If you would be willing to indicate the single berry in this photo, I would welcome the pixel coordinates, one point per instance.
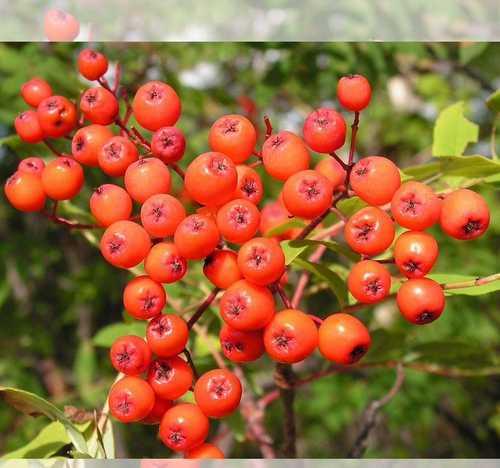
(415, 253)
(205, 451)
(221, 268)
(28, 127)
(170, 378)
(161, 214)
(238, 221)
(354, 92)
(196, 237)
(35, 91)
(130, 355)
(167, 335)
(57, 116)
(241, 346)
(165, 264)
(324, 130)
(168, 144)
(116, 155)
(131, 399)
(60, 26)
(92, 64)
(62, 178)
(144, 298)
(369, 281)
(159, 409)
(274, 215)
(32, 165)
(87, 143)
(421, 300)
(147, 177)
(25, 192)
(332, 170)
(110, 203)
(99, 105)
(249, 185)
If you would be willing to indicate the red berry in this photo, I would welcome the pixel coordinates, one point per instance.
(241, 346)
(62, 178)
(370, 231)
(161, 214)
(28, 127)
(116, 155)
(144, 298)
(130, 355)
(87, 143)
(291, 336)
(92, 64)
(343, 339)
(60, 26)
(218, 393)
(31, 165)
(147, 177)
(234, 136)
(415, 253)
(57, 116)
(221, 268)
(35, 91)
(238, 221)
(25, 191)
(110, 203)
(165, 264)
(247, 307)
(285, 154)
(464, 215)
(159, 409)
(168, 144)
(184, 427)
(125, 244)
(170, 378)
(205, 451)
(324, 130)
(196, 237)
(156, 105)
(354, 92)
(131, 399)
(332, 170)
(249, 185)
(421, 300)
(167, 335)
(99, 105)
(369, 281)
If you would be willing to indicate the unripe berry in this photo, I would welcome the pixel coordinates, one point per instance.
(147, 177)
(238, 220)
(25, 192)
(332, 170)
(221, 268)
(165, 264)
(161, 214)
(354, 92)
(196, 237)
(130, 355)
(291, 336)
(144, 298)
(421, 300)
(131, 399)
(343, 339)
(62, 178)
(324, 130)
(92, 64)
(170, 378)
(249, 185)
(57, 116)
(415, 253)
(31, 165)
(205, 451)
(28, 127)
(116, 155)
(60, 26)
(285, 154)
(168, 144)
(167, 335)
(375, 179)
(35, 91)
(369, 281)
(234, 136)
(110, 203)
(464, 215)
(99, 105)
(87, 143)
(241, 346)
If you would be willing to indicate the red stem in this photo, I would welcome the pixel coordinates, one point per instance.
(269, 127)
(202, 308)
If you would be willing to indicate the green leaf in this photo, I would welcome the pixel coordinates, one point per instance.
(330, 245)
(470, 50)
(282, 228)
(493, 102)
(33, 405)
(291, 252)
(350, 206)
(471, 291)
(453, 132)
(49, 441)
(337, 285)
(107, 335)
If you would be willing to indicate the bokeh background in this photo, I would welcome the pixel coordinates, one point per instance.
(58, 297)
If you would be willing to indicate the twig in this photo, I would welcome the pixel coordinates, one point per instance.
(472, 283)
(178, 170)
(202, 307)
(352, 148)
(284, 298)
(190, 361)
(284, 378)
(339, 160)
(68, 223)
(313, 224)
(52, 148)
(269, 127)
(369, 417)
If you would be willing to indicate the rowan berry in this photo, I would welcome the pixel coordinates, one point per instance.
(165, 264)
(291, 336)
(261, 261)
(370, 231)
(205, 451)
(156, 105)
(211, 179)
(147, 177)
(332, 170)
(464, 215)
(218, 393)
(130, 355)
(354, 92)
(273, 215)
(343, 339)
(307, 194)
(110, 203)
(159, 409)
(62, 178)
(131, 399)
(115, 156)
(324, 130)
(285, 154)
(170, 378)
(369, 281)
(415, 253)
(375, 179)
(87, 143)
(125, 244)
(144, 298)
(249, 185)
(247, 307)
(184, 427)
(28, 127)
(221, 268)
(196, 237)
(60, 26)
(57, 116)
(234, 136)
(168, 144)
(32, 165)
(167, 335)
(92, 64)
(35, 91)
(420, 300)
(99, 105)
(238, 220)
(25, 191)
(241, 346)
(415, 206)
(161, 214)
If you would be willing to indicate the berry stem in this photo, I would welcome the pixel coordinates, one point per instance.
(284, 298)
(104, 83)
(339, 160)
(142, 141)
(202, 307)
(177, 170)
(354, 132)
(52, 148)
(190, 361)
(269, 127)
(68, 223)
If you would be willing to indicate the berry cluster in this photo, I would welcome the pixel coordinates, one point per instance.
(222, 231)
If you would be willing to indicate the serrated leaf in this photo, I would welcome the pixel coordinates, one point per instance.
(107, 335)
(470, 291)
(337, 285)
(31, 404)
(493, 102)
(453, 132)
(291, 252)
(333, 246)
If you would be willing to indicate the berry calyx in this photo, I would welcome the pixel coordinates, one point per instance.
(165, 264)
(144, 298)
(170, 378)
(415, 253)
(369, 281)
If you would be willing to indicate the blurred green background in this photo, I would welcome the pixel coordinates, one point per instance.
(57, 293)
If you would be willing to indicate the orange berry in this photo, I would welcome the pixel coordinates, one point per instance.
(110, 203)
(87, 143)
(147, 177)
(249, 185)
(238, 220)
(62, 178)
(131, 399)
(170, 378)
(144, 298)
(369, 281)
(205, 451)
(196, 237)
(161, 214)
(165, 264)
(332, 170)
(221, 268)
(116, 155)
(35, 91)
(25, 191)
(420, 300)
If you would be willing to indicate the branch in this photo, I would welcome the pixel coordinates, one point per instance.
(202, 307)
(284, 298)
(68, 223)
(339, 160)
(369, 417)
(52, 148)
(190, 361)
(178, 170)
(352, 148)
(472, 283)
(284, 378)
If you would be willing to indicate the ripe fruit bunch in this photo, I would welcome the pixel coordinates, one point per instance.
(224, 227)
